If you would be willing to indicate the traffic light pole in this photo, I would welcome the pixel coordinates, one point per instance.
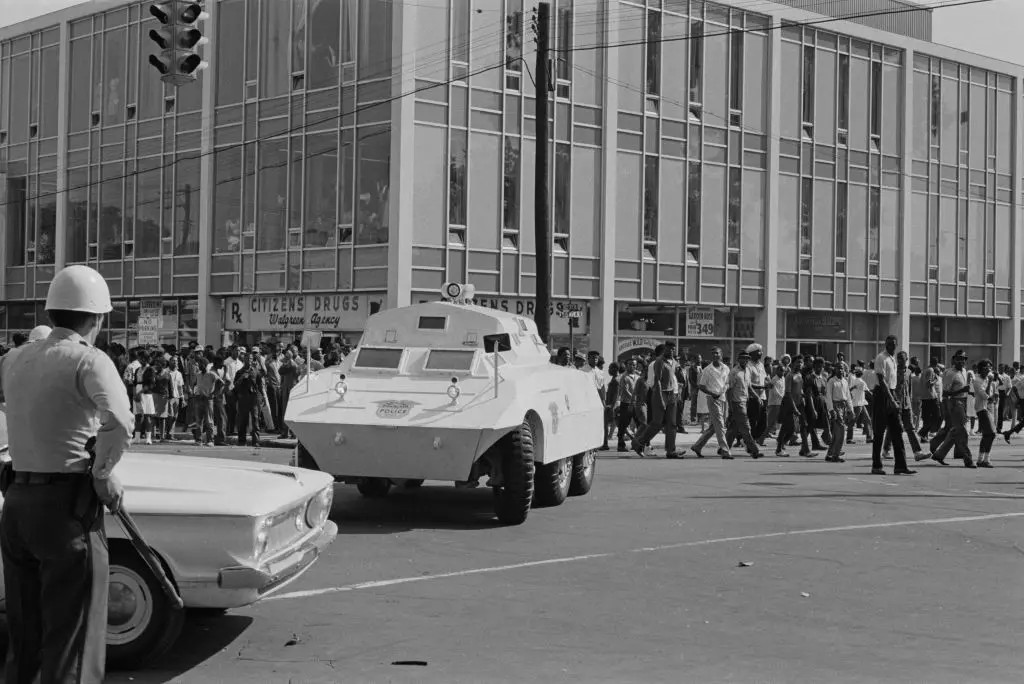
(542, 214)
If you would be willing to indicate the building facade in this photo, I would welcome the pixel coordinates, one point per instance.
(718, 175)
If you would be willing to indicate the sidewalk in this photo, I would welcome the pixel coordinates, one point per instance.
(271, 441)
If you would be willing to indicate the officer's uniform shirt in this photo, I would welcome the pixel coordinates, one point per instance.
(60, 392)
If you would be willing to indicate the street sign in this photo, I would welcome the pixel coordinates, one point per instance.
(571, 313)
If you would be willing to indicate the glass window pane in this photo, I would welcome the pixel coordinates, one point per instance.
(919, 237)
(298, 35)
(51, 92)
(874, 223)
(676, 51)
(511, 201)
(275, 76)
(651, 198)
(806, 216)
(755, 75)
(273, 195)
(921, 114)
(977, 123)
(46, 239)
(430, 194)
(947, 239)
(696, 42)
(891, 219)
(17, 208)
(562, 196)
(21, 76)
(825, 97)
(374, 174)
(227, 200)
(78, 181)
(588, 64)
(375, 39)
(891, 109)
(950, 121)
(432, 39)
(860, 93)
(1004, 133)
(324, 38)
(976, 243)
(147, 208)
(734, 216)
(586, 204)
(653, 50)
(563, 38)
(460, 30)
(716, 82)
(485, 191)
(842, 214)
(753, 207)
(843, 93)
(631, 58)
(186, 215)
(458, 202)
(789, 220)
(856, 260)
(321, 190)
(628, 207)
(712, 252)
(114, 76)
(230, 64)
(824, 232)
(1003, 251)
(111, 237)
(347, 187)
(790, 124)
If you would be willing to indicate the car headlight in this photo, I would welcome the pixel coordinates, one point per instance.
(319, 508)
(262, 536)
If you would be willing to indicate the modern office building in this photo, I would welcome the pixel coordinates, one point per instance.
(720, 172)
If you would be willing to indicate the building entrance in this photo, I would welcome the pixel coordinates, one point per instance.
(828, 350)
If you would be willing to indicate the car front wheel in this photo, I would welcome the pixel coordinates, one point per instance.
(142, 623)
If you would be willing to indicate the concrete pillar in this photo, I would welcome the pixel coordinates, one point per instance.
(60, 234)
(403, 146)
(211, 319)
(901, 325)
(602, 312)
(1009, 331)
(766, 328)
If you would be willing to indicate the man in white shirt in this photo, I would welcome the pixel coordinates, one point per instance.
(1005, 387)
(859, 399)
(887, 416)
(232, 365)
(838, 401)
(757, 407)
(955, 388)
(664, 395)
(714, 381)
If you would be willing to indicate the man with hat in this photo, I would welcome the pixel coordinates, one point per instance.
(955, 388)
(739, 393)
(757, 407)
(60, 392)
(886, 415)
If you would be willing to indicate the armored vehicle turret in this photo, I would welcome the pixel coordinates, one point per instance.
(454, 392)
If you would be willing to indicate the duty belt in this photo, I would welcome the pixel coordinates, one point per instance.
(23, 478)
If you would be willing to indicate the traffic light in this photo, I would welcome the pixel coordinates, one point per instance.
(179, 39)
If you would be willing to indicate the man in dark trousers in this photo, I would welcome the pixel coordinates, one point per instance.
(664, 393)
(56, 567)
(248, 385)
(887, 415)
(792, 406)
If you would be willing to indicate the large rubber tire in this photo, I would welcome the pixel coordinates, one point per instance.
(513, 499)
(583, 468)
(142, 623)
(552, 483)
(413, 484)
(374, 487)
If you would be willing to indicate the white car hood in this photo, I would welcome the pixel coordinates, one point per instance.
(160, 483)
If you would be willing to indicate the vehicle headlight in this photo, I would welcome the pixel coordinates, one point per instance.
(262, 537)
(319, 508)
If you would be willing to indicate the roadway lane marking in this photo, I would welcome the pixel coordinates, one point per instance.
(646, 549)
(887, 484)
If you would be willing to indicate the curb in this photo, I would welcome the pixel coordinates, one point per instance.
(266, 442)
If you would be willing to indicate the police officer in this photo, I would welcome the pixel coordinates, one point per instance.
(59, 392)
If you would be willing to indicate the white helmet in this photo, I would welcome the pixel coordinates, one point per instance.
(40, 332)
(79, 288)
(755, 347)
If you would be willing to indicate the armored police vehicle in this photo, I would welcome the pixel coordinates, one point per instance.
(452, 391)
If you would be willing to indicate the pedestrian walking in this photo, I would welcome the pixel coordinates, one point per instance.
(757, 405)
(58, 391)
(739, 392)
(776, 391)
(248, 382)
(625, 396)
(931, 400)
(664, 394)
(792, 406)
(904, 399)
(986, 403)
(955, 389)
(714, 381)
(858, 394)
(838, 403)
(887, 416)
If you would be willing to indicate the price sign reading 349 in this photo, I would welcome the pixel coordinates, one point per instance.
(700, 322)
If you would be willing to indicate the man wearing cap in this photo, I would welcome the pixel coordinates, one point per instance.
(886, 415)
(955, 388)
(757, 407)
(664, 394)
(60, 392)
(739, 392)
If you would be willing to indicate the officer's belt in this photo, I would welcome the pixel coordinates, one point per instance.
(23, 478)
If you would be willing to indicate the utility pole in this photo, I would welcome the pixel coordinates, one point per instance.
(542, 213)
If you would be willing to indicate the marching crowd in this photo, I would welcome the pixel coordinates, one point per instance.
(809, 402)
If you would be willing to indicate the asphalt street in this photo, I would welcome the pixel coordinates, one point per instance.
(778, 570)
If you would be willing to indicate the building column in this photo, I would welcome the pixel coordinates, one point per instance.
(901, 325)
(61, 232)
(602, 312)
(401, 209)
(211, 317)
(766, 322)
(1009, 331)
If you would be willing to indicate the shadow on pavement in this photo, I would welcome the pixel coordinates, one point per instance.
(426, 508)
(854, 495)
(204, 636)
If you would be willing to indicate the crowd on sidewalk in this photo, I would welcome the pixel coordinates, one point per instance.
(211, 393)
(813, 403)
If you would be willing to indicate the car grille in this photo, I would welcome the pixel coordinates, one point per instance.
(284, 531)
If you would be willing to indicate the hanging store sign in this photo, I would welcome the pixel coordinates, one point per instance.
(802, 325)
(700, 321)
(628, 344)
(326, 312)
(562, 310)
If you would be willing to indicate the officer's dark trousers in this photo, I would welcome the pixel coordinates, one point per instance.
(56, 586)
(247, 417)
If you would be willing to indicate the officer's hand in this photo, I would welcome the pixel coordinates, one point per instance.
(110, 492)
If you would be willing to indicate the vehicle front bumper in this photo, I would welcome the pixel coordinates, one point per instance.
(275, 573)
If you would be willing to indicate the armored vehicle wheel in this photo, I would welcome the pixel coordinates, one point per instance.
(413, 484)
(512, 500)
(374, 487)
(583, 467)
(552, 482)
